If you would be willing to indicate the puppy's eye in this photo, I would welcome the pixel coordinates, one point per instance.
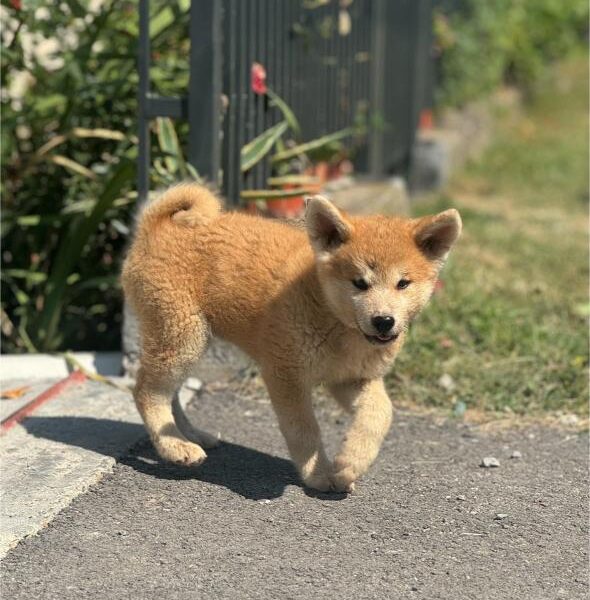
(360, 284)
(402, 284)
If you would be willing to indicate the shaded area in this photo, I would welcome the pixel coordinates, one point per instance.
(251, 474)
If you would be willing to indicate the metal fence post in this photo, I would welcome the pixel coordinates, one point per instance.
(204, 93)
(376, 138)
(143, 134)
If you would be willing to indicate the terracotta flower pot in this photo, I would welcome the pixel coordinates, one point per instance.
(251, 208)
(286, 208)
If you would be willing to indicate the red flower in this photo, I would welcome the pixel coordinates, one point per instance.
(258, 79)
(16, 4)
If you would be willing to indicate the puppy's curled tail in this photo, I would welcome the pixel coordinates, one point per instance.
(186, 204)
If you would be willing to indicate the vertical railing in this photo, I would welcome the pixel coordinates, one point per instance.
(379, 64)
(143, 150)
(378, 47)
(204, 93)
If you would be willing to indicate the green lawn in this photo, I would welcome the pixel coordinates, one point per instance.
(510, 325)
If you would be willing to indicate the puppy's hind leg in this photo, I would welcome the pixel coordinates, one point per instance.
(165, 362)
(192, 433)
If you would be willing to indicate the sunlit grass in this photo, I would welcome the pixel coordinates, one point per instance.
(510, 325)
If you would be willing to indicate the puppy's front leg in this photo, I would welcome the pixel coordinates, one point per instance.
(291, 401)
(372, 410)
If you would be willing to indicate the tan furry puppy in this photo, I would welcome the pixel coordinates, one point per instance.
(328, 307)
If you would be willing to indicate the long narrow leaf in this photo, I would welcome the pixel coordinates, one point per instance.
(254, 151)
(30, 276)
(72, 165)
(276, 100)
(312, 145)
(274, 194)
(106, 134)
(52, 143)
(170, 145)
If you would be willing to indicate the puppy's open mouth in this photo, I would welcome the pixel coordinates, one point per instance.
(382, 340)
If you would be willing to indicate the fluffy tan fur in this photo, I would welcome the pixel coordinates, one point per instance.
(287, 298)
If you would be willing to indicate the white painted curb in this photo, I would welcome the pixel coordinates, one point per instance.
(42, 366)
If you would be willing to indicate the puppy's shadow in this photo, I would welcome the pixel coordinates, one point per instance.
(250, 473)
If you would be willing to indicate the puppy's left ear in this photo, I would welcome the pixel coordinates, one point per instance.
(436, 235)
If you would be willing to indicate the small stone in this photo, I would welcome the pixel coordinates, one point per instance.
(265, 501)
(459, 409)
(446, 382)
(185, 395)
(461, 497)
(192, 383)
(516, 454)
(500, 516)
(122, 532)
(489, 461)
(569, 419)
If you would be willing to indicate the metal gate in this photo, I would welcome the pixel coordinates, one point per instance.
(377, 67)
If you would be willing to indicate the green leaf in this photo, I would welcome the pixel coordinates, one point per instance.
(293, 180)
(72, 165)
(193, 172)
(102, 283)
(313, 144)
(254, 151)
(161, 21)
(50, 103)
(169, 144)
(276, 100)
(28, 220)
(30, 276)
(71, 248)
(101, 132)
(79, 206)
(274, 194)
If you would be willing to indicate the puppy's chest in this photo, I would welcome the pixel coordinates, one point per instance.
(347, 358)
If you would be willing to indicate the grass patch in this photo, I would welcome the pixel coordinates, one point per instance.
(510, 325)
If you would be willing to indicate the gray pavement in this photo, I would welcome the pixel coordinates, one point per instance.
(56, 454)
(423, 524)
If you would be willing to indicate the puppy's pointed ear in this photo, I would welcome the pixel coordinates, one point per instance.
(326, 226)
(436, 235)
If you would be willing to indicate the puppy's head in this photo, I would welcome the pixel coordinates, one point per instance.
(378, 272)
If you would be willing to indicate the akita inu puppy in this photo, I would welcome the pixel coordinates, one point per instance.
(330, 305)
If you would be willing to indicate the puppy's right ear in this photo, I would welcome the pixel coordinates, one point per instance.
(326, 226)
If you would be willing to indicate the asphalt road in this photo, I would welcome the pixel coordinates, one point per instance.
(422, 524)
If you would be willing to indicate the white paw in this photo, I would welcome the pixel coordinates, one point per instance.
(179, 451)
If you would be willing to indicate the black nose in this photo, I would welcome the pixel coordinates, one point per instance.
(383, 324)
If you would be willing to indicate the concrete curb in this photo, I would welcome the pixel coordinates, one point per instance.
(39, 366)
(56, 453)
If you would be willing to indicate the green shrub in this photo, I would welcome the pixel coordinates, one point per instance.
(69, 109)
(484, 44)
